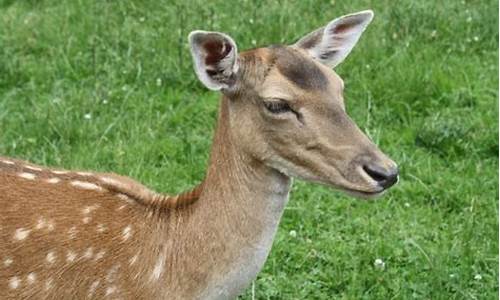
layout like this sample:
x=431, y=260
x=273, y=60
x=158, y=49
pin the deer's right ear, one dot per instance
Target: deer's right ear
x=215, y=59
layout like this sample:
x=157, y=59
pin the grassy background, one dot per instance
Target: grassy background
x=108, y=85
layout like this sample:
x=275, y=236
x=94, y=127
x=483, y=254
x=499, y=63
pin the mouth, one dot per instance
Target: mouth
x=373, y=192
x=363, y=194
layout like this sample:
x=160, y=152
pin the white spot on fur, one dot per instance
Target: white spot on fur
x=53, y=180
x=133, y=260
x=126, y=198
x=122, y=196
x=40, y=223
x=158, y=268
x=127, y=232
x=137, y=275
x=51, y=257
x=50, y=225
x=21, y=234
x=33, y=168
x=48, y=284
x=25, y=175
x=101, y=228
x=86, y=220
x=7, y=162
x=70, y=256
x=85, y=185
x=111, y=276
x=88, y=253
x=72, y=232
x=112, y=181
x=89, y=209
x=110, y=290
x=7, y=262
x=92, y=288
x=14, y=282
x=121, y=207
x=84, y=173
x=31, y=278
x=59, y=172
x=99, y=255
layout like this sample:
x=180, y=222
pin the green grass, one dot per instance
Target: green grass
x=422, y=82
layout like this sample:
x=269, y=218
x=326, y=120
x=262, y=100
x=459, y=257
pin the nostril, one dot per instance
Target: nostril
x=375, y=173
x=384, y=178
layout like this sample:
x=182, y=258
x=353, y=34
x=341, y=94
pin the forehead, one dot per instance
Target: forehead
x=283, y=67
x=299, y=69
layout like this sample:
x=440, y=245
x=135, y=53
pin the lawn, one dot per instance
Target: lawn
x=109, y=85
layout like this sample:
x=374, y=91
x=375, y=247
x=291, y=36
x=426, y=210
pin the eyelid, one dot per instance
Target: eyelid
x=297, y=114
x=276, y=104
x=277, y=93
x=276, y=99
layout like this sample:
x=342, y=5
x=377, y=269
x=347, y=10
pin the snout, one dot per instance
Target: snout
x=384, y=177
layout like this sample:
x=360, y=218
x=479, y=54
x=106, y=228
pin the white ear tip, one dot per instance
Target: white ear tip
x=368, y=14
x=196, y=33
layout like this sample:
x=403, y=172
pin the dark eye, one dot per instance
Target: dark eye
x=277, y=107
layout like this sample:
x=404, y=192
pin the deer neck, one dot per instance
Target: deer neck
x=238, y=213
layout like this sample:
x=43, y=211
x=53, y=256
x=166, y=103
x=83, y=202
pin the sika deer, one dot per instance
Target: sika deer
x=84, y=235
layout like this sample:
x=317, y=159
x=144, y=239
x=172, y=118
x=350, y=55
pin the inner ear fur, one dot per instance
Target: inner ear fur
x=215, y=59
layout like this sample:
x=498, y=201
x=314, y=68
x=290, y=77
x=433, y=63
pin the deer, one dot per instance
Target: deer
x=90, y=235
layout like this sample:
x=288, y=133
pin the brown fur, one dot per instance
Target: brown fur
x=208, y=243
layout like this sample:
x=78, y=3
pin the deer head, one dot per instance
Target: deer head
x=286, y=106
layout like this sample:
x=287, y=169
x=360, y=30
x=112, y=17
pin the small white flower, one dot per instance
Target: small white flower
x=87, y=116
x=368, y=66
x=142, y=19
x=476, y=38
x=250, y=21
x=158, y=82
x=434, y=33
x=254, y=42
x=379, y=264
x=407, y=204
x=104, y=101
x=478, y=277
x=293, y=233
x=453, y=275
x=125, y=87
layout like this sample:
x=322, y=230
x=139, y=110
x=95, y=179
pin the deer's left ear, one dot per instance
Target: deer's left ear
x=215, y=59
x=331, y=44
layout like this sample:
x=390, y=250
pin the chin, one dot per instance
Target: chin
x=364, y=195
x=352, y=192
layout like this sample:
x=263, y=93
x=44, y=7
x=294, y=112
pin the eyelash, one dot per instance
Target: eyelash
x=277, y=107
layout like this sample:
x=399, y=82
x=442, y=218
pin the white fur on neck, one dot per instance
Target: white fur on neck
x=251, y=259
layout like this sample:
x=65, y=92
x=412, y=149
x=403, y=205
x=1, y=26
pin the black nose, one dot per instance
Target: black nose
x=385, y=178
